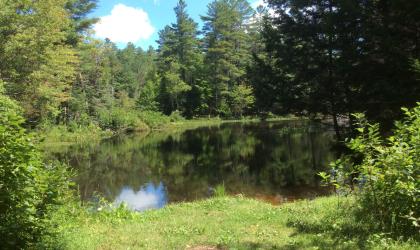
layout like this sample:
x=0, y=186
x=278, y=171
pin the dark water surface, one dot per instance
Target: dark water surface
x=273, y=161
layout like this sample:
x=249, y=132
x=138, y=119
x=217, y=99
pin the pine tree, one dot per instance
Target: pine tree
x=227, y=48
x=179, y=61
x=336, y=57
x=78, y=11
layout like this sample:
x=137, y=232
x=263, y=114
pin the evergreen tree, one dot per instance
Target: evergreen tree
x=336, y=57
x=389, y=43
x=147, y=99
x=180, y=61
x=227, y=49
x=80, y=22
x=189, y=56
x=127, y=80
x=137, y=67
x=308, y=49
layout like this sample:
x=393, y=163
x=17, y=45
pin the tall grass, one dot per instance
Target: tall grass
x=220, y=190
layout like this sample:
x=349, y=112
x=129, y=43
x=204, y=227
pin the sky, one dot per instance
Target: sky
x=139, y=21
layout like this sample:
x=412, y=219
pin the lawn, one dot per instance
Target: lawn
x=224, y=223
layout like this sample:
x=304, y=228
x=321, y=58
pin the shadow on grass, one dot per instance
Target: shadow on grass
x=328, y=227
x=254, y=246
x=314, y=244
x=343, y=236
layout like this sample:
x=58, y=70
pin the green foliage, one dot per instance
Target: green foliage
x=227, y=47
x=220, y=190
x=32, y=50
x=154, y=120
x=53, y=136
x=179, y=62
x=118, y=119
x=319, y=60
x=388, y=174
x=80, y=23
x=174, y=85
x=114, y=89
x=147, y=100
x=62, y=76
x=29, y=190
x=242, y=98
x=176, y=116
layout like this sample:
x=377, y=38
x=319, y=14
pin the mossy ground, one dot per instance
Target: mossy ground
x=224, y=223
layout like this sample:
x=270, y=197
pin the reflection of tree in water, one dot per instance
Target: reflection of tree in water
x=255, y=158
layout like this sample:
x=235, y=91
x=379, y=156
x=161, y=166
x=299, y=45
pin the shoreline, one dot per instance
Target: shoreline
x=64, y=138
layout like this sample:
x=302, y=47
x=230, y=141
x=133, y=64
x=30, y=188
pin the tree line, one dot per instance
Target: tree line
x=337, y=57
x=59, y=73
x=312, y=58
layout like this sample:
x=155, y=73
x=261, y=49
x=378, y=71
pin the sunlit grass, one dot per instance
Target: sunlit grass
x=224, y=223
x=62, y=135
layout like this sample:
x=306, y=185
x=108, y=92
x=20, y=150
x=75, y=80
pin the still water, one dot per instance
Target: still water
x=272, y=161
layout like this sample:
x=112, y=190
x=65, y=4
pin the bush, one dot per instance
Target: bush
x=388, y=174
x=176, y=116
x=154, y=119
x=120, y=119
x=72, y=133
x=29, y=190
x=220, y=190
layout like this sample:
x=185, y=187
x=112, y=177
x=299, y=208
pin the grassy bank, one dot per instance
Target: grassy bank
x=214, y=121
x=60, y=135
x=224, y=223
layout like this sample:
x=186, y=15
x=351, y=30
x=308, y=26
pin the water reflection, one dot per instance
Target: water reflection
x=273, y=161
x=149, y=197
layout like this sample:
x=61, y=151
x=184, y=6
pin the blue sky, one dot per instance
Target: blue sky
x=139, y=21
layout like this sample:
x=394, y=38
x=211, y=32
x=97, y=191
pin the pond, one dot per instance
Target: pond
x=272, y=161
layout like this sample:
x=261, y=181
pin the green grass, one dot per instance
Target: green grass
x=63, y=135
x=224, y=223
x=57, y=136
x=213, y=121
x=189, y=124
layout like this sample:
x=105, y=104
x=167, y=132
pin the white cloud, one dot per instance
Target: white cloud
x=125, y=24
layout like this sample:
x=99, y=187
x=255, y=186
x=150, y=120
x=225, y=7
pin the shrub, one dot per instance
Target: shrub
x=120, y=119
x=220, y=190
x=387, y=175
x=29, y=190
x=241, y=99
x=176, y=116
x=73, y=133
x=154, y=119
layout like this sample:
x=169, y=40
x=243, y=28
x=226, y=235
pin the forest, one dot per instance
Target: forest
x=311, y=58
x=327, y=61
